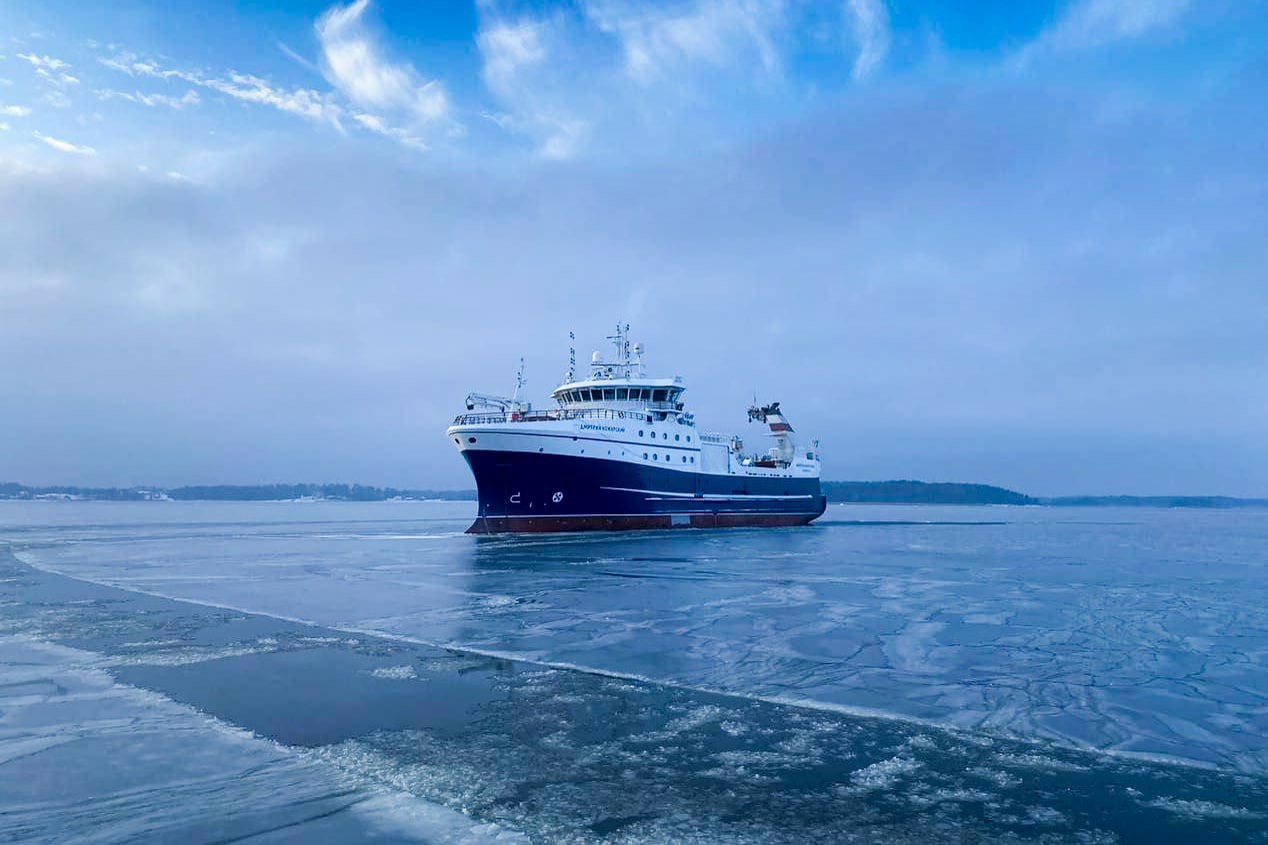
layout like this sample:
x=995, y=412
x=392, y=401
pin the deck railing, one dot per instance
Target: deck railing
x=550, y=416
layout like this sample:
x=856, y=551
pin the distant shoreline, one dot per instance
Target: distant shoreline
x=840, y=492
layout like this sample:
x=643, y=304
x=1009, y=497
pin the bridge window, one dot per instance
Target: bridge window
x=609, y=394
x=622, y=393
x=658, y=395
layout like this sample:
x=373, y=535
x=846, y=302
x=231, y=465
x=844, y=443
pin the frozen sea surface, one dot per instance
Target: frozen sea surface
x=890, y=674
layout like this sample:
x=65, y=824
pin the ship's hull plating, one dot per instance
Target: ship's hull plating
x=540, y=492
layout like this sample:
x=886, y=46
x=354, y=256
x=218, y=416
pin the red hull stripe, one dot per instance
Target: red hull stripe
x=632, y=522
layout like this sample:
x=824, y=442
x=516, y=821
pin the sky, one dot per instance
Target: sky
x=1022, y=244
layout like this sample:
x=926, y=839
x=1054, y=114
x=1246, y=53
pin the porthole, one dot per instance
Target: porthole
x=640, y=432
x=675, y=437
x=655, y=457
x=470, y=439
x=456, y=440
x=684, y=459
x=693, y=459
x=664, y=435
x=644, y=456
x=688, y=438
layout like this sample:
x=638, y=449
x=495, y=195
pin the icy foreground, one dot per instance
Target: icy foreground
x=126, y=714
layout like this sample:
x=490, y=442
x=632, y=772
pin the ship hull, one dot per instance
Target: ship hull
x=530, y=492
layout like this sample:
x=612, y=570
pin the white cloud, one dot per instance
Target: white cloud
x=14, y=111
x=564, y=139
x=132, y=65
x=301, y=101
x=40, y=62
x=532, y=68
x=318, y=106
x=354, y=63
x=376, y=124
x=190, y=98
x=65, y=146
x=716, y=32
x=507, y=49
x=869, y=20
x=1093, y=23
x=297, y=58
x=304, y=102
x=56, y=99
x=4, y=127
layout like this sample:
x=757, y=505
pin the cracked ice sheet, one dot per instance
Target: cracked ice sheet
x=84, y=759
x=1128, y=630
x=573, y=757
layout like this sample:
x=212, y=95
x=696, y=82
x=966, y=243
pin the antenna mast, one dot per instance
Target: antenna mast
x=572, y=357
x=520, y=381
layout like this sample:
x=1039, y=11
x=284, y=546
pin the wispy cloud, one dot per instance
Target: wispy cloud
x=14, y=111
x=1093, y=23
x=133, y=65
x=718, y=33
x=297, y=58
x=507, y=49
x=65, y=146
x=869, y=21
x=305, y=102
x=525, y=65
x=300, y=101
x=43, y=62
x=376, y=124
x=190, y=98
x=356, y=64
x=308, y=103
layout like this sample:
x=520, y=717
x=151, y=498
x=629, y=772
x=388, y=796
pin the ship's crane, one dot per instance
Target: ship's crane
x=505, y=404
x=485, y=400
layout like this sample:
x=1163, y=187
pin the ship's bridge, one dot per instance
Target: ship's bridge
x=657, y=395
x=616, y=388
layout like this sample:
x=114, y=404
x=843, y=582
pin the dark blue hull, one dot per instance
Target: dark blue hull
x=533, y=492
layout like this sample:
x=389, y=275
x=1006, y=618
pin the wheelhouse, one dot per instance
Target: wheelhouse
x=659, y=396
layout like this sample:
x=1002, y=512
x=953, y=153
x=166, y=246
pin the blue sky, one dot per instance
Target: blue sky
x=1018, y=243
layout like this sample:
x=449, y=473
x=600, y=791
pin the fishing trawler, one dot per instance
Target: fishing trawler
x=619, y=451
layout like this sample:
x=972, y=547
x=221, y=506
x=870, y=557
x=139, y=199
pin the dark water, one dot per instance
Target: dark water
x=893, y=674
